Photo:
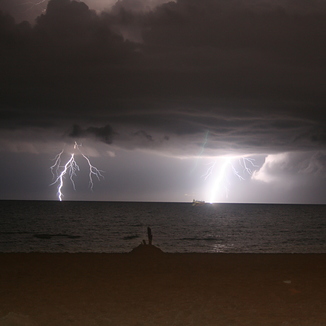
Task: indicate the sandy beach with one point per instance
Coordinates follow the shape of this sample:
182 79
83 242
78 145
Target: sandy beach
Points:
162 289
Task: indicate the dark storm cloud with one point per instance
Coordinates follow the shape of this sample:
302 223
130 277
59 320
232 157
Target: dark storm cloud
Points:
144 134
315 135
251 73
104 134
23 10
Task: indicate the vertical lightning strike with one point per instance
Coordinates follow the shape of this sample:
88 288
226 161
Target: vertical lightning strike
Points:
220 173
221 180
70 167
59 171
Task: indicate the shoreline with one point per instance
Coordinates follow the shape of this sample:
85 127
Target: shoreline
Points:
162 289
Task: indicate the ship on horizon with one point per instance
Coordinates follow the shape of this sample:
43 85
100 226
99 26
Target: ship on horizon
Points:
198 202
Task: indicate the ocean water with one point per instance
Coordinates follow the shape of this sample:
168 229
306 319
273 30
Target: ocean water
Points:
117 227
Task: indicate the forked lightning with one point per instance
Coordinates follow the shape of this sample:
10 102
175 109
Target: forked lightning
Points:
70 168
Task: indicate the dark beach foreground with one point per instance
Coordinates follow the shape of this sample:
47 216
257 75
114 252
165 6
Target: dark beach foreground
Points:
162 289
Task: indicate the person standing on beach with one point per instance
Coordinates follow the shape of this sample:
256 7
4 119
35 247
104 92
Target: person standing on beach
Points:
150 236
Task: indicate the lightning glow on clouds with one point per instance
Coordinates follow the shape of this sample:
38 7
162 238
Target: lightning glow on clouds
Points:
286 165
201 70
220 172
272 162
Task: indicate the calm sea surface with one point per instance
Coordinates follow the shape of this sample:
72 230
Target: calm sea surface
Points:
49 226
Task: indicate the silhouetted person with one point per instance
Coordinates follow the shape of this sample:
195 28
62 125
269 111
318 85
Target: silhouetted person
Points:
150 236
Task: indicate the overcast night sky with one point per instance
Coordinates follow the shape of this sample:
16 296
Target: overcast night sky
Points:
209 99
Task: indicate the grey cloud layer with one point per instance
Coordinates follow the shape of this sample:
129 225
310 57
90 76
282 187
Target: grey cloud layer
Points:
251 73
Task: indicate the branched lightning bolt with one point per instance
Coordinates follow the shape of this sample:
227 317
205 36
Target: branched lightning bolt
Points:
71 167
93 171
235 172
209 170
56 164
33 4
244 160
221 180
